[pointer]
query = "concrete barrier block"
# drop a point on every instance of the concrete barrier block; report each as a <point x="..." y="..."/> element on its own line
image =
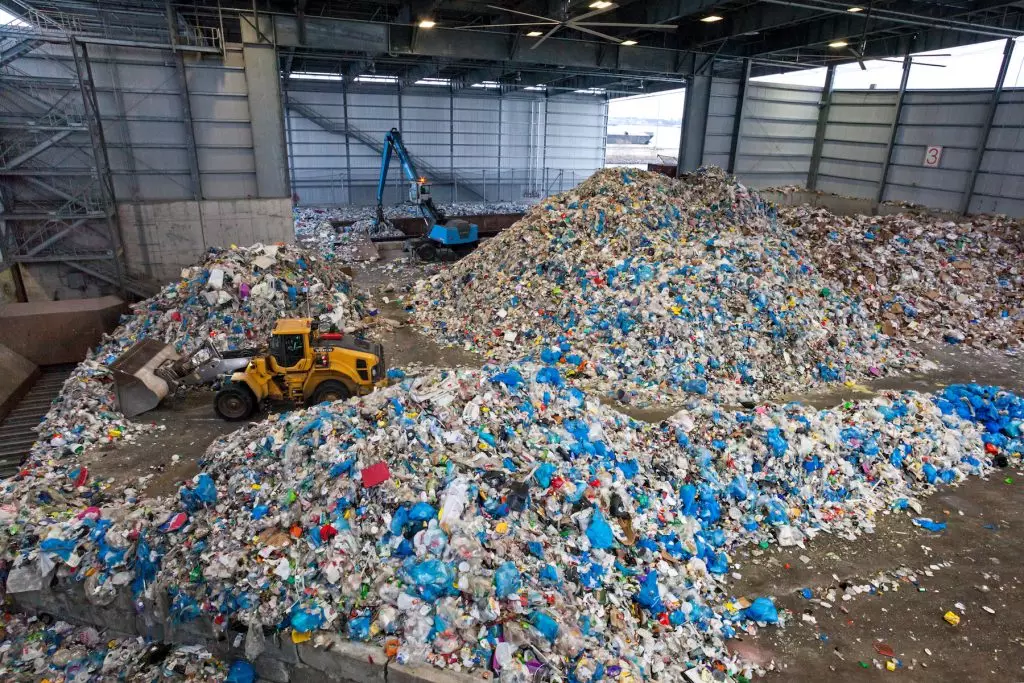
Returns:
<point x="360" y="663"/>
<point x="270" y="669"/>
<point x="282" y="648"/>
<point x="425" y="673"/>
<point x="301" y="673"/>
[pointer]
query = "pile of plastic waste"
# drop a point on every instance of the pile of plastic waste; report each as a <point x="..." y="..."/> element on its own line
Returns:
<point x="338" y="231"/>
<point x="642" y="283"/>
<point x="39" y="648"/>
<point x="501" y="520"/>
<point x="923" y="278"/>
<point x="232" y="299"/>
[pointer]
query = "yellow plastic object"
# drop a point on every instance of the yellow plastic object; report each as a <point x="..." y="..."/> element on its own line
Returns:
<point x="952" y="618"/>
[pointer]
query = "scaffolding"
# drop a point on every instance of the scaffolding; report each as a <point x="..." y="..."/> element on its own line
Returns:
<point x="57" y="202"/>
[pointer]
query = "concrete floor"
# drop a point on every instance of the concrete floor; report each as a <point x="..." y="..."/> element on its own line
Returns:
<point x="983" y="545"/>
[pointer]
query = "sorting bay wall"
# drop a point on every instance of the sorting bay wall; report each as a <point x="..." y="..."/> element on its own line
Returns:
<point x="864" y="135"/>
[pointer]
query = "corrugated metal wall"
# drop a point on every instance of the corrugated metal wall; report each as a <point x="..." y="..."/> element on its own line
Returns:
<point x="141" y="103"/>
<point x="953" y="119"/>
<point x="779" y="124"/>
<point x="856" y="138"/>
<point x="1000" y="187"/>
<point x="470" y="145"/>
<point x="777" y="134"/>
<point x="721" y="119"/>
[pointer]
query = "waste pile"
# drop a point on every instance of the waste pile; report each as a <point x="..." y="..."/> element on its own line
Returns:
<point x="40" y="648"/>
<point x="645" y="284"/>
<point x="339" y="229"/>
<point x="922" y="278"/>
<point x="232" y="299"/>
<point x="500" y="520"/>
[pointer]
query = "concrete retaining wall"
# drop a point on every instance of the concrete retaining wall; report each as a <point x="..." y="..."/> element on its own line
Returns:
<point x="17" y="374"/>
<point x="851" y="206"/>
<point x="54" y="332"/>
<point x="161" y="238"/>
<point x="333" y="659"/>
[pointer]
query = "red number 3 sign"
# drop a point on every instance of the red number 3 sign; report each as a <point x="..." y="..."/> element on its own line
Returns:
<point x="933" y="156"/>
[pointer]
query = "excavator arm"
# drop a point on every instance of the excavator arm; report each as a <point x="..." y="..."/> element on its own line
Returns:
<point x="393" y="145"/>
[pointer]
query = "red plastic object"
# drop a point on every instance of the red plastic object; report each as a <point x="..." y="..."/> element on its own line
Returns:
<point x="376" y="474"/>
<point x="335" y="336"/>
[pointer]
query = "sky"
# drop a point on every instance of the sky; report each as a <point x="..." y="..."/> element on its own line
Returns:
<point x="8" y="18"/>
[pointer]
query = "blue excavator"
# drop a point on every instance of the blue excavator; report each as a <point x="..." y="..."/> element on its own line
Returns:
<point x="446" y="238"/>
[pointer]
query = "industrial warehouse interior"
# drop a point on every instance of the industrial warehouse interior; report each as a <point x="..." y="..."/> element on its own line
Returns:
<point x="554" y="341"/>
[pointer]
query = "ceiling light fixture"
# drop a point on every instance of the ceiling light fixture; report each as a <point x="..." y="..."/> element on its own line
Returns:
<point x="427" y="23"/>
<point x="534" y="34"/>
<point x="855" y="9"/>
<point x="627" y="43"/>
<point x="711" y="18"/>
<point x="838" y="44"/>
<point x="599" y="4"/>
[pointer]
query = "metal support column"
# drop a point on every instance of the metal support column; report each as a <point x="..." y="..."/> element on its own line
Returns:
<point x="737" y="121"/>
<point x="288" y="139"/>
<point x="188" y="126"/>
<point x="86" y="85"/>
<point x="130" y="166"/>
<point x="907" y="63"/>
<point x="451" y="145"/>
<point x="263" y="79"/>
<point x="501" y="107"/>
<point x="697" y="102"/>
<point x="819" y="132"/>
<point x="993" y="105"/>
<point x="348" y="152"/>
<point x="544" y="147"/>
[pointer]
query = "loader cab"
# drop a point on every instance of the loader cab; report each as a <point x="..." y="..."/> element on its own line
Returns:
<point x="289" y="344"/>
<point x="288" y="350"/>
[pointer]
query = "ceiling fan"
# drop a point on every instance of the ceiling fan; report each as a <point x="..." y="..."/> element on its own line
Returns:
<point x="578" y="23"/>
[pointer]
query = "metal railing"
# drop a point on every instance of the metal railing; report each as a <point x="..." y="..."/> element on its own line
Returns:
<point x="336" y="187"/>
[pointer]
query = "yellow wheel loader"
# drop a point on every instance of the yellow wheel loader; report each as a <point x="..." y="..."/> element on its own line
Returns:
<point x="304" y="367"/>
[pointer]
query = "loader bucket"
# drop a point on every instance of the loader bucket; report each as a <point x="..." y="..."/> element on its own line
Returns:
<point x="138" y="386"/>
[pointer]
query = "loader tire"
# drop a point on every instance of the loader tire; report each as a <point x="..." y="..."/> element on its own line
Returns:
<point x="329" y="391"/>
<point x="234" y="402"/>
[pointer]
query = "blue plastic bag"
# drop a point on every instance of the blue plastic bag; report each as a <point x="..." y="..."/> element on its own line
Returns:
<point x="204" y="494"/>
<point x="599" y="533"/>
<point x="929" y="524"/>
<point x="547" y="626"/>
<point x="507" y="579"/>
<point x="422" y="512"/>
<point x="241" y="671"/>
<point x="510" y="378"/>
<point x="649" y="596"/>
<point x="762" y="609"/>
<point x="359" y="628"/>
<point x="543" y="474"/>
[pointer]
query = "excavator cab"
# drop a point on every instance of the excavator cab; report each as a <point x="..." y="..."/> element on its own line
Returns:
<point x="304" y="367"/>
